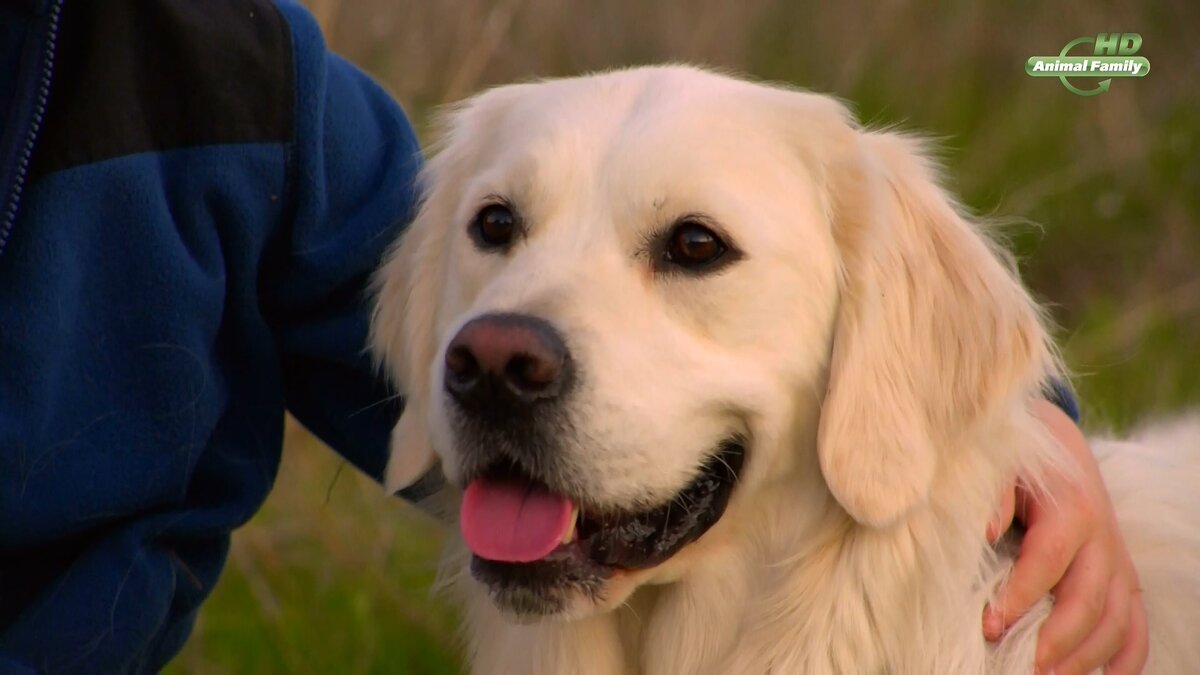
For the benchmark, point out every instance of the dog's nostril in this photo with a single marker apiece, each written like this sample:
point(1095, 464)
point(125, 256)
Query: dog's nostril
point(530, 373)
point(461, 363)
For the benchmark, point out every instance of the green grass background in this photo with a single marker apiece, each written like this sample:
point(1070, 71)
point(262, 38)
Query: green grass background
point(333, 577)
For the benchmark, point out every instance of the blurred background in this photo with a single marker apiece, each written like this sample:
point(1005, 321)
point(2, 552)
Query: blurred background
point(333, 577)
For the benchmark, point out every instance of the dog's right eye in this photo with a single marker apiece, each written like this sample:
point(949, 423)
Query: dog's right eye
point(694, 247)
point(494, 227)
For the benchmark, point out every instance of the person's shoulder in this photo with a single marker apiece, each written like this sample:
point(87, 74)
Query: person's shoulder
point(136, 76)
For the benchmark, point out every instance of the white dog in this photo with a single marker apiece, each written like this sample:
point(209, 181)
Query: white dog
point(730, 385)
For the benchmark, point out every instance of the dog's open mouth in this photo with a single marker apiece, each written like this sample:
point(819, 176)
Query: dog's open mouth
point(530, 544)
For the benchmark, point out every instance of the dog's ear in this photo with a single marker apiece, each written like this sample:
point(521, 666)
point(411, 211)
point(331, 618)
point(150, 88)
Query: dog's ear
point(412, 456)
point(403, 338)
point(934, 334)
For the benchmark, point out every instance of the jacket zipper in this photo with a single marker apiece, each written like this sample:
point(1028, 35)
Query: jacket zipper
point(35, 125)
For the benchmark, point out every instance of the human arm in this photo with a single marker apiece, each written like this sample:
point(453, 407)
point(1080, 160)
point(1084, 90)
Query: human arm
point(353, 184)
point(1074, 550)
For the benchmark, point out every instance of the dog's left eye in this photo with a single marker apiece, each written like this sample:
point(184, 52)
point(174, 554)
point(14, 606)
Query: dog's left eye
point(693, 246)
point(494, 226)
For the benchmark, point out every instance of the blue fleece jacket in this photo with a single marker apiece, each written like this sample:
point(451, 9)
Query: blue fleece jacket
point(192, 197)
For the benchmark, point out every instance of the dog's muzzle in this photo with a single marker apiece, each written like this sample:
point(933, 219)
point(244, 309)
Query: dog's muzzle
point(524, 517)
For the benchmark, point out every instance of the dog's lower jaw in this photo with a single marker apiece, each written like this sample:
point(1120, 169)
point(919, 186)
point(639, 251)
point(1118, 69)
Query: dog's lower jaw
point(498, 645)
point(657, 629)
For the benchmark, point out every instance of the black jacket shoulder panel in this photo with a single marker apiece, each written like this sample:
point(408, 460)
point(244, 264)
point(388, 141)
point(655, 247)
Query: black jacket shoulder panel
point(134, 76)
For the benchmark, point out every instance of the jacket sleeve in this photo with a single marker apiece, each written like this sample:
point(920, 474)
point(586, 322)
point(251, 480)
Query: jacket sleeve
point(1059, 393)
point(352, 179)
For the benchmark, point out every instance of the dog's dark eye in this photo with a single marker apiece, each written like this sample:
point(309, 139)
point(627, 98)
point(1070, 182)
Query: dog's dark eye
point(693, 246)
point(494, 226)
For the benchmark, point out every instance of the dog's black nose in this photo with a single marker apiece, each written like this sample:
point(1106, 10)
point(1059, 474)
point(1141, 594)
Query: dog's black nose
point(502, 361)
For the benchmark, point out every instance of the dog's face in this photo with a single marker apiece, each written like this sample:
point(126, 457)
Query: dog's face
point(614, 319)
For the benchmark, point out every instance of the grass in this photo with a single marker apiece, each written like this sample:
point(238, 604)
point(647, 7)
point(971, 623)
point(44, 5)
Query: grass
point(332, 577)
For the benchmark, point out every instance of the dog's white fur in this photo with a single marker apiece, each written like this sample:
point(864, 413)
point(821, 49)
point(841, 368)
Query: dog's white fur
point(873, 346)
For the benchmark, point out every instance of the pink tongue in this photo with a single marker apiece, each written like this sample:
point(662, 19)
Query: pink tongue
point(510, 521)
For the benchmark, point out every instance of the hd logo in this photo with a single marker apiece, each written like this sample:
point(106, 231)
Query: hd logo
point(1113, 55)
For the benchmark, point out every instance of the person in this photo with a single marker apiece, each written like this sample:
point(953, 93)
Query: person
point(194, 197)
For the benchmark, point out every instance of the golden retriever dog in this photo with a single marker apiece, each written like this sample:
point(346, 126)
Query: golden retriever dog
point(722, 382)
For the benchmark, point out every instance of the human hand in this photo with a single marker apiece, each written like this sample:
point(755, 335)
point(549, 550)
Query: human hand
point(1073, 549)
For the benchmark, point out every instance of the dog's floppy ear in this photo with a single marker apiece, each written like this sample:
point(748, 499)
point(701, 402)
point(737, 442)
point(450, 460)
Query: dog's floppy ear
point(934, 332)
point(412, 457)
point(403, 337)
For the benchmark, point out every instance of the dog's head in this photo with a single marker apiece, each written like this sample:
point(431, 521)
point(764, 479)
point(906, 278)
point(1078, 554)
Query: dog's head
point(632, 300)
